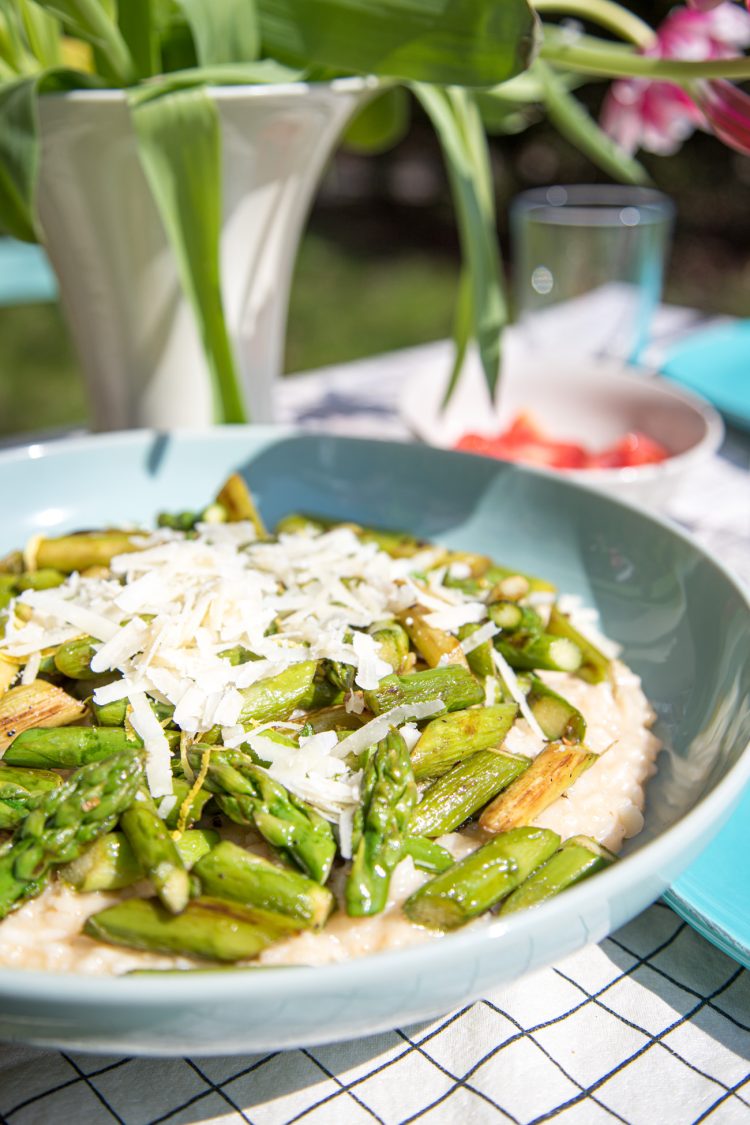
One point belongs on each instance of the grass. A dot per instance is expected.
(341, 308)
(346, 303)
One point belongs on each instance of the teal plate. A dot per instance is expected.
(715, 363)
(714, 894)
(684, 624)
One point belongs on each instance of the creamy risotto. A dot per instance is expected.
(222, 745)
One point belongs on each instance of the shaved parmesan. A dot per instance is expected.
(378, 728)
(158, 768)
(484, 633)
(509, 679)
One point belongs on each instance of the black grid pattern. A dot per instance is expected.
(652, 1025)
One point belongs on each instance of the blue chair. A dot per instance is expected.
(25, 274)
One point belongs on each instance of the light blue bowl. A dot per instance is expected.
(684, 624)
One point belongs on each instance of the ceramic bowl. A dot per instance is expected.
(683, 622)
(589, 400)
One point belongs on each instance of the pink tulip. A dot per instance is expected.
(658, 116)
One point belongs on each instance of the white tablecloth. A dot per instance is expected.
(652, 1026)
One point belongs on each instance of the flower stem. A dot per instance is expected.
(606, 13)
(588, 55)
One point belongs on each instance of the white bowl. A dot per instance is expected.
(592, 401)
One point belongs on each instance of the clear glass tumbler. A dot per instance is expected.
(588, 264)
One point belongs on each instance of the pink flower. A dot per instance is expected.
(658, 116)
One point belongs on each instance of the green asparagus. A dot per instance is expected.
(453, 686)
(70, 747)
(64, 822)
(464, 790)
(210, 928)
(551, 773)
(595, 666)
(426, 854)
(458, 735)
(389, 794)
(483, 878)
(229, 871)
(579, 857)
(558, 718)
(156, 852)
(110, 863)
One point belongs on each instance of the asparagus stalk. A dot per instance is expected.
(595, 666)
(209, 928)
(394, 642)
(558, 718)
(579, 857)
(453, 686)
(39, 704)
(73, 658)
(70, 747)
(427, 855)
(65, 821)
(114, 714)
(276, 697)
(156, 852)
(464, 790)
(435, 646)
(19, 790)
(476, 883)
(229, 871)
(388, 797)
(546, 651)
(247, 795)
(550, 774)
(479, 658)
(458, 735)
(181, 789)
(110, 864)
(237, 501)
(45, 579)
(67, 553)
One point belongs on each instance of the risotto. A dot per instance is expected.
(225, 746)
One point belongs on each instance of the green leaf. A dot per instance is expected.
(12, 50)
(381, 124)
(19, 148)
(449, 42)
(179, 143)
(225, 31)
(93, 21)
(137, 21)
(266, 72)
(575, 123)
(42, 33)
(18, 158)
(458, 125)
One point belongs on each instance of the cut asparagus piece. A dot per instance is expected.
(559, 719)
(545, 651)
(114, 714)
(579, 857)
(73, 658)
(435, 646)
(388, 797)
(476, 883)
(458, 735)
(394, 642)
(156, 852)
(38, 704)
(464, 790)
(83, 550)
(229, 871)
(551, 773)
(65, 821)
(479, 658)
(45, 579)
(247, 795)
(182, 789)
(19, 791)
(333, 718)
(110, 863)
(237, 501)
(453, 686)
(210, 928)
(69, 747)
(427, 855)
(595, 666)
(276, 697)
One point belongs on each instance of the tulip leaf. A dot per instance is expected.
(137, 22)
(179, 143)
(224, 31)
(573, 121)
(93, 21)
(456, 121)
(42, 33)
(462, 42)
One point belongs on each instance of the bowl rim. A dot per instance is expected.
(702, 821)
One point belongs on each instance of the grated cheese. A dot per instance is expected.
(509, 678)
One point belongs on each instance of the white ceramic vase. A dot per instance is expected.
(137, 341)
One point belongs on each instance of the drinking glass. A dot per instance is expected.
(588, 264)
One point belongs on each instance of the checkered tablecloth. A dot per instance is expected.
(651, 1027)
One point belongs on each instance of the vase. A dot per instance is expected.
(138, 344)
